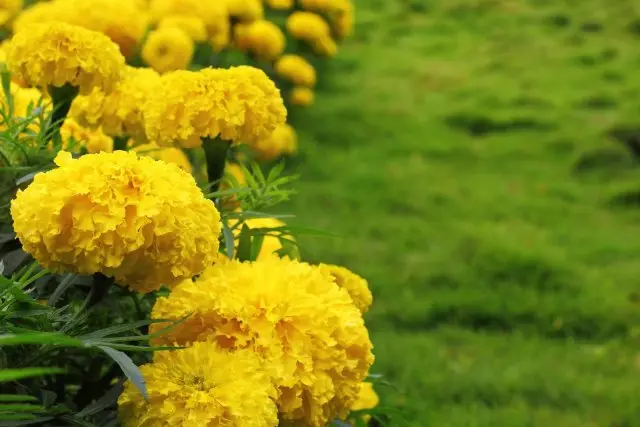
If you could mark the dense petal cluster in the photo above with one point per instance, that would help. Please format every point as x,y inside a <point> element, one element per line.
<point>356,286</point>
<point>283,141</point>
<point>74,137</point>
<point>119,215</point>
<point>165,154</point>
<point>314,30</point>
<point>57,54</point>
<point>9,9</point>
<point>123,21</point>
<point>297,70</point>
<point>119,112</point>
<point>202,385</point>
<point>307,330</point>
<point>262,38</point>
<point>168,49</point>
<point>239,104</point>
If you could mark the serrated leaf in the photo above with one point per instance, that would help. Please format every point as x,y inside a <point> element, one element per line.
<point>129,368</point>
<point>21,373</point>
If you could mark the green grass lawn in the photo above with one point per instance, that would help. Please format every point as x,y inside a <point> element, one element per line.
<point>463,151</point>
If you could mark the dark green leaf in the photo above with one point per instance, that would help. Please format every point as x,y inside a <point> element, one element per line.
<point>17,398</point>
<point>42,338</point>
<point>20,407</point>
<point>244,244</point>
<point>229,240</point>
<point>18,374</point>
<point>129,368</point>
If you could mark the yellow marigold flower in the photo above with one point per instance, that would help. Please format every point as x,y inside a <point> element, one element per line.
<point>213,14</point>
<point>302,96</point>
<point>310,335</point>
<point>307,26</point>
<point>193,26</point>
<point>297,70</point>
<point>42,12</point>
<point>9,9</point>
<point>119,112</point>
<point>245,10</point>
<point>221,36</point>
<point>280,4</point>
<point>342,21</point>
<point>57,54</point>
<point>367,399</point>
<point>236,171</point>
<point>119,215</point>
<point>202,385</point>
<point>262,38</point>
<point>168,49</point>
<point>356,286</point>
<point>165,154</point>
<point>236,104</point>
<point>75,136</point>
<point>326,46</point>
<point>284,140</point>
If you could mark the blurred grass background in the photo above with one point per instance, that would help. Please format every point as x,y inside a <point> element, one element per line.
<point>476,158</point>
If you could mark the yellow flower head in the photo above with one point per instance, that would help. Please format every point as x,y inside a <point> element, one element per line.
<point>284,140</point>
<point>245,10</point>
<point>42,12</point>
<point>297,70</point>
<point>302,96</point>
<point>193,26</point>
<point>75,136</point>
<point>119,215</point>
<point>57,54</point>
<point>9,9</point>
<point>342,20</point>
<point>168,49</point>
<point>309,334</point>
<point>213,14</point>
<point>367,399</point>
<point>307,26</point>
<point>237,104</point>
<point>165,154</point>
<point>280,4</point>
<point>202,385</point>
<point>262,38</point>
<point>325,46</point>
<point>119,112</point>
<point>356,286</point>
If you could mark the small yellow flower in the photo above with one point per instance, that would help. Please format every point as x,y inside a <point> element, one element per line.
<point>119,112</point>
<point>240,104</point>
<point>57,54</point>
<point>310,336</point>
<point>75,136</point>
<point>245,10</point>
<point>307,26</point>
<point>119,215</point>
<point>302,96</point>
<point>284,140</point>
<point>9,9</point>
<point>367,399</point>
<point>325,46</point>
<point>262,38</point>
<point>193,26</point>
<point>165,154</point>
<point>297,70</point>
<point>280,4</point>
<point>202,385</point>
<point>168,49</point>
<point>356,286</point>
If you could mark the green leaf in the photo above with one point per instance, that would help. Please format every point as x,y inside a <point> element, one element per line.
<point>7,375</point>
<point>20,407</point>
<point>256,245</point>
<point>62,287</point>
<point>125,327</point>
<point>129,368</point>
<point>244,244</point>
<point>229,240</point>
<point>108,399</point>
<point>41,338</point>
<point>17,398</point>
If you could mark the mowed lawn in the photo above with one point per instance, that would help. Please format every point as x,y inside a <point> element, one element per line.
<point>465,153</point>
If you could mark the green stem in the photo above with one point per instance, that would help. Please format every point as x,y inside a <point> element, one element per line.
<point>215,151</point>
<point>62,98</point>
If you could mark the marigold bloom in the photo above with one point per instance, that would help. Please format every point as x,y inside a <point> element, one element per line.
<point>367,399</point>
<point>302,96</point>
<point>193,26</point>
<point>307,26</point>
<point>213,14</point>
<point>119,215</point>
<point>262,38</point>
<point>326,46</point>
<point>75,136</point>
<point>9,9</point>
<point>280,4</point>
<point>57,54</point>
<point>297,70</point>
<point>356,286</point>
<point>165,154</point>
<point>202,385</point>
<point>308,332</point>
<point>284,140</point>
<point>245,10</point>
<point>119,112</point>
<point>236,104</point>
<point>168,49</point>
